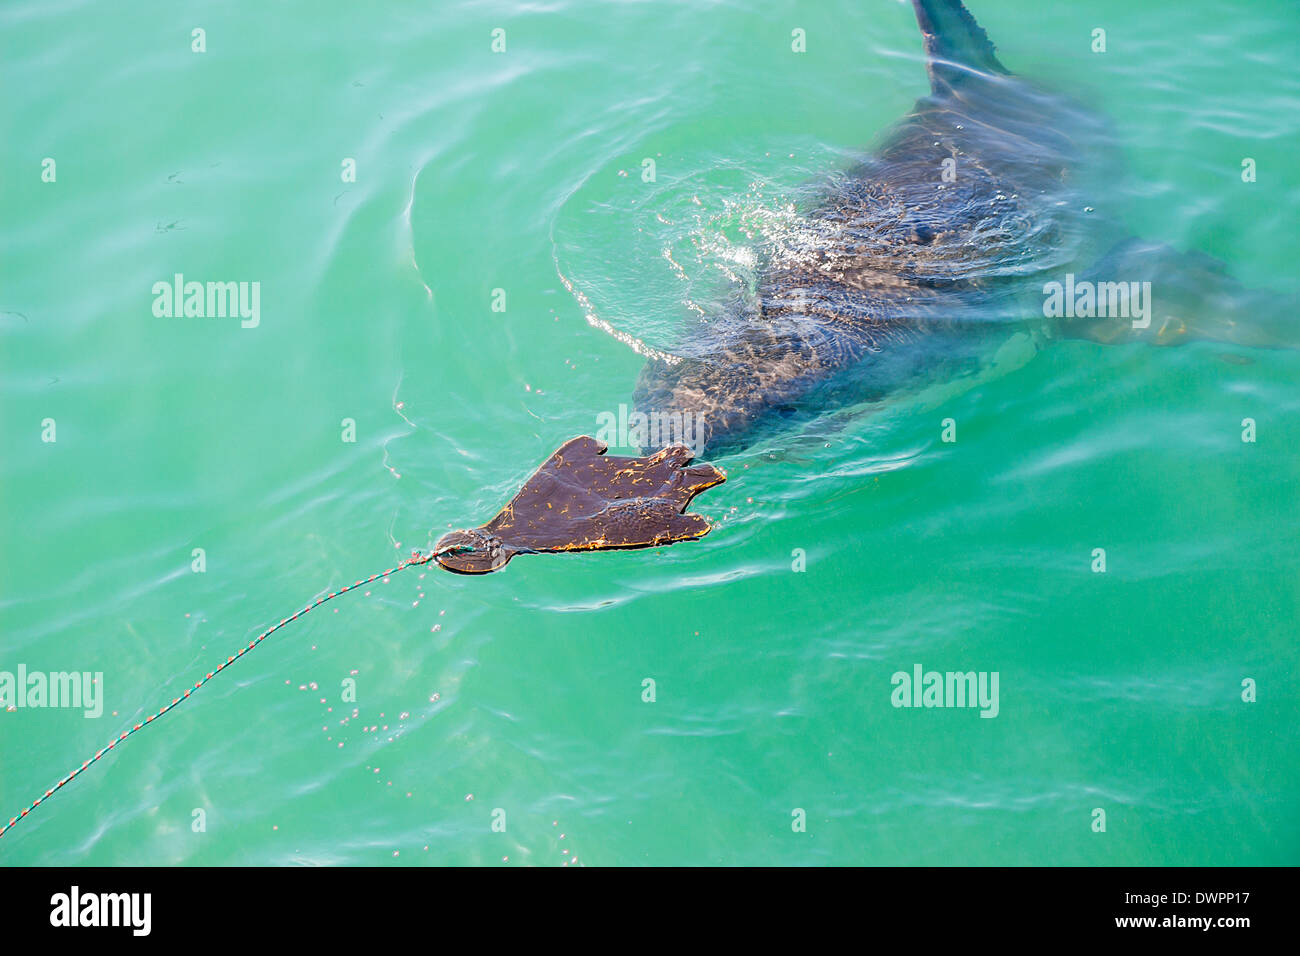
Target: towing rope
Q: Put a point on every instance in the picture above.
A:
(415, 559)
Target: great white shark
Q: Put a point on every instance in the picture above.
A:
(970, 223)
(970, 219)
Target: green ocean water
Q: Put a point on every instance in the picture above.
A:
(517, 697)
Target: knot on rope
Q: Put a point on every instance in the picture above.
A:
(418, 558)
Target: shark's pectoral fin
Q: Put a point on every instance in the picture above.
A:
(1144, 291)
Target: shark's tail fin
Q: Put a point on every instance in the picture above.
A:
(956, 47)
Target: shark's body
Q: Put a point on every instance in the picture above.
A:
(921, 255)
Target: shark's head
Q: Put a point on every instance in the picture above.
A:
(682, 403)
(712, 406)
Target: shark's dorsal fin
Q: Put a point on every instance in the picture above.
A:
(956, 47)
